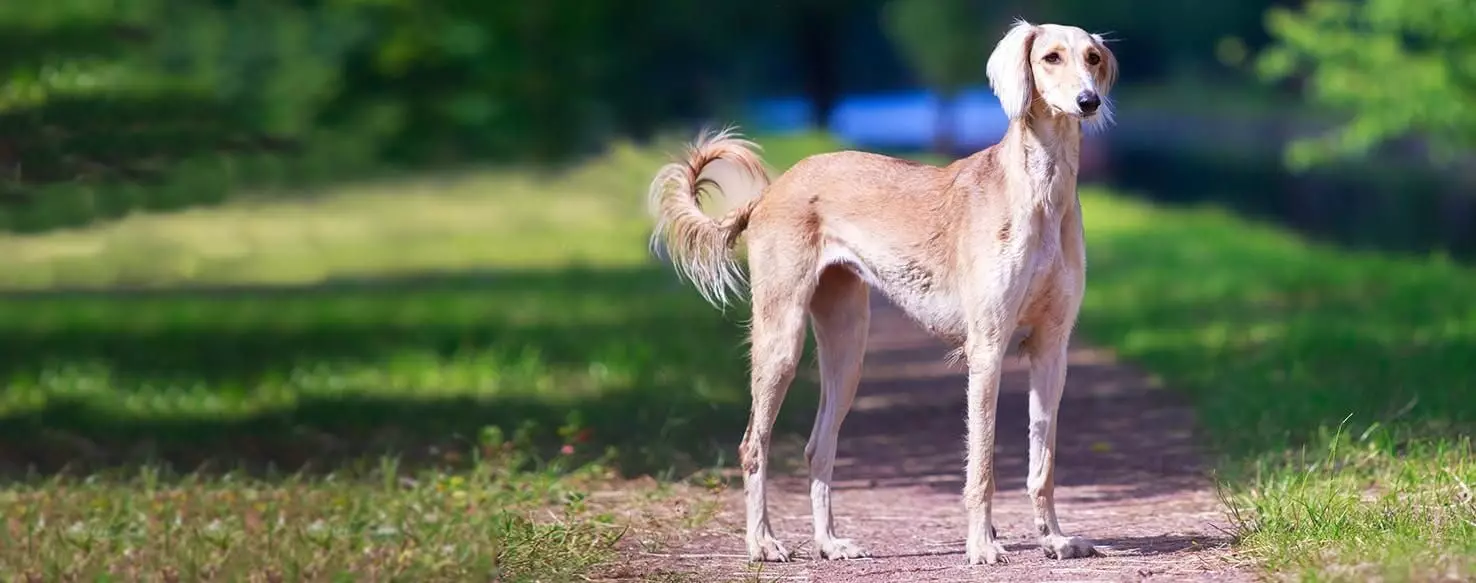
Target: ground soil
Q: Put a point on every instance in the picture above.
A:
(1129, 477)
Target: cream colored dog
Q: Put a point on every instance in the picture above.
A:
(970, 251)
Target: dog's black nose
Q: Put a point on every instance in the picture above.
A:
(1088, 101)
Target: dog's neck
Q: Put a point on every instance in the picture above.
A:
(1045, 151)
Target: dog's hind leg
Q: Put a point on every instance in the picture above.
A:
(782, 286)
(841, 314)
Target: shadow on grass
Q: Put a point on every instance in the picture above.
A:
(317, 376)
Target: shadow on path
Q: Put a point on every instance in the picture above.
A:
(907, 427)
(1128, 477)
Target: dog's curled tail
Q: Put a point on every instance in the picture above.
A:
(701, 247)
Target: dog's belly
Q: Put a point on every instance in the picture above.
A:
(919, 292)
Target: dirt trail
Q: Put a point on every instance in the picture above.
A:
(1129, 478)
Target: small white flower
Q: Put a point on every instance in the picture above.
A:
(317, 528)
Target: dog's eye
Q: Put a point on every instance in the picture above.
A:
(1093, 59)
(1052, 58)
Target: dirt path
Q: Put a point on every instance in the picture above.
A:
(1128, 478)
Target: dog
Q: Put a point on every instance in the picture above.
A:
(971, 252)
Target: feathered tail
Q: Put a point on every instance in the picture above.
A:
(701, 247)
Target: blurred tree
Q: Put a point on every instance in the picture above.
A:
(275, 62)
(824, 30)
(1170, 42)
(102, 98)
(541, 80)
(947, 44)
(817, 29)
(1397, 67)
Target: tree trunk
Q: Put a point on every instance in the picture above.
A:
(817, 35)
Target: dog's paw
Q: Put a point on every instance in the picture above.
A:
(767, 550)
(987, 554)
(1067, 547)
(840, 548)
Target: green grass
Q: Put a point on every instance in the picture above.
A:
(591, 215)
(355, 369)
(416, 380)
(1337, 385)
(476, 220)
(489, 522)
(429, 379)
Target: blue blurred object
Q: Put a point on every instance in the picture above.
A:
(901, 120)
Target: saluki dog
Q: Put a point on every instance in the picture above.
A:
(970, 251)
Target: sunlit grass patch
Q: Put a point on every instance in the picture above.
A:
(476, 219)
(1356, 512)
(377, 338)
(494, 519)
(1334, 384)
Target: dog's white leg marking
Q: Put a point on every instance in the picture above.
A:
(841, 316)
(1048, 359)
(986, 356)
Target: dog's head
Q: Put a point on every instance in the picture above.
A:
(1054, 69)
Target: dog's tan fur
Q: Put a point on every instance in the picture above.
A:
(971, 251)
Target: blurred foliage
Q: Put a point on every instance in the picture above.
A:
(110, 106)
(535, 79)
(1397, 68)
(167, 72)
(944, 40)
(1158, 39)
(113, 106)
(946, 43)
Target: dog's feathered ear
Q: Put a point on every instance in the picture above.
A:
(1107, 74)
(1009, 69)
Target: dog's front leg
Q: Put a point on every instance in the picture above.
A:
(986, 357)
(1048, 356)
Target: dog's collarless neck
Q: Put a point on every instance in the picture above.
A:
(1047, 149)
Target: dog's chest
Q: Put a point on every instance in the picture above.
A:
(1038, 258)
(1048, 278)
(1044, 257)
